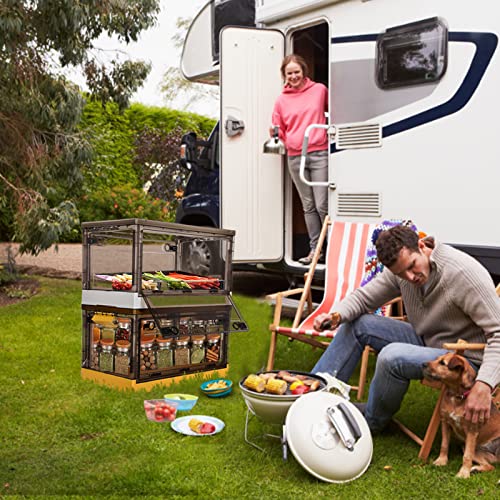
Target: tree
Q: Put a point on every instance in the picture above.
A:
(174, 84)
(41, 148)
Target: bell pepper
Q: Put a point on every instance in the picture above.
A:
(300, 389)
(295, 384)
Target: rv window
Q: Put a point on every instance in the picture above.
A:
(412, 54)
(230, 13)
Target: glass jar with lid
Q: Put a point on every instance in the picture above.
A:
(213, 326)
(168, 328)
(122, 357)
(94, 354)
(185, 326)
(107, 357)
(123, 330)
(148, 326)
(165, 353)
(148, 355)
(182, 352)
(213, 347)
(108, 333)
(197, 349)
(198, 328)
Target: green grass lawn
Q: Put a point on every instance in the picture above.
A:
(61, 435)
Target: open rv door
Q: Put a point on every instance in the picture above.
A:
(251, 181)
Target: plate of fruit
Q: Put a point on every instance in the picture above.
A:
(197, 425)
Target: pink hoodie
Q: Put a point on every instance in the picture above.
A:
(295, 110)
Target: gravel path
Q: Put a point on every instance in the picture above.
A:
(63, 262)
(66, 262)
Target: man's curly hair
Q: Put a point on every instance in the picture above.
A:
(390, 242)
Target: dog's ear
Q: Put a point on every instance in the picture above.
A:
(456, 363)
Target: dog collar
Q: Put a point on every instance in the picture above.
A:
(464, 395)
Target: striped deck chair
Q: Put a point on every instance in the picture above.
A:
(345, 268)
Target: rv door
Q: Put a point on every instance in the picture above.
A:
(251, 181)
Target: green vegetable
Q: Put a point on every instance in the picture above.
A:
(172, 283)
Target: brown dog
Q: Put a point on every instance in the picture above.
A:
(482, 441)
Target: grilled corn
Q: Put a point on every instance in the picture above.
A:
(276, 386)
(255, 383)
(195, 425)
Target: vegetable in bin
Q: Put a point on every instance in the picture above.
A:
(170, 282)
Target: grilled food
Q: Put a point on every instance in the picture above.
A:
(255, 383)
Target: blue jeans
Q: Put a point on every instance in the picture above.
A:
(401, 353)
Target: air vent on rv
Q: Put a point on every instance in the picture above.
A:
(363, 135)
(358, 204)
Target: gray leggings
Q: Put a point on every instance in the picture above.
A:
(314, 199)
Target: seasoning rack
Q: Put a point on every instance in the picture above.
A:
(153, 333)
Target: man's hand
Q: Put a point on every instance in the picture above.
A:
(478, 403)
(325, 321)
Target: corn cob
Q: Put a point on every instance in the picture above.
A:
(255, 383)
(195, 425)
(276, 386)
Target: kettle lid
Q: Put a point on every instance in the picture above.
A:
(319, 446)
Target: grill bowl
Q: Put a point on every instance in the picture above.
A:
(272, 408)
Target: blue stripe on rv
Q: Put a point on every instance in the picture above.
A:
(486, 44)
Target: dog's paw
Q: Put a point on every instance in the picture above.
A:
(441, 461)
(463, 473)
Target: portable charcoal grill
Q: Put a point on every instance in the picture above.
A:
(272, 408)
(328, 436)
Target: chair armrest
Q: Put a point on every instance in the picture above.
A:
(464, 346)
(286, 293)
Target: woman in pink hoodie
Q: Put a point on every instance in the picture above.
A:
(302, 103)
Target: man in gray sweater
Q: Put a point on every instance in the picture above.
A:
(447, 295)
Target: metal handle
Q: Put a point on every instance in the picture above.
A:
(233, 126)
(345, 425)
(331, 131)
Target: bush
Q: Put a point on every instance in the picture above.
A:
(123, 202)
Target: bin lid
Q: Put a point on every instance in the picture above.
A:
(316, 442)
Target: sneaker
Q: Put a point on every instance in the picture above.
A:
(308, 258)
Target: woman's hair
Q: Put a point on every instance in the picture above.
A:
(390, 242)
(296, 59)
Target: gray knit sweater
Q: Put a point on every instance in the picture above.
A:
(460, 303)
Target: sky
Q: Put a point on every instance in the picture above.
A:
(156, 46)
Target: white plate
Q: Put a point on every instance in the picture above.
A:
(182, 425)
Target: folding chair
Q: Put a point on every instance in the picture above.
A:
(349, 265)
(345, 262)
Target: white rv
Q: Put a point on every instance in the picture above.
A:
(421, 73)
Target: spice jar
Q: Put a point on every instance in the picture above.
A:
(213, 348)
(168, 328)
(213, 326)
(197, 349)
(123, 329)
(182, 352)
(165, 353)
(184, 327)
(107, 358)
(108, 333)
(198, 328)
(94, 355)
(122, 357)
(148, 326)
(96, 332)
(148, 357)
